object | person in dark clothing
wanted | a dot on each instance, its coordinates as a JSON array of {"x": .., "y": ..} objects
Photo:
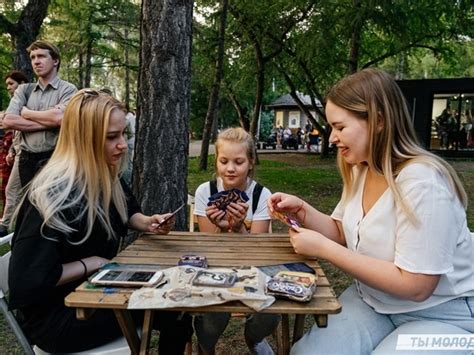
[{"x": 70, "y": 223}]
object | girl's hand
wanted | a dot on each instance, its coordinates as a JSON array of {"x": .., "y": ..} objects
[
  {"x": 216, "y": 217},
  {"x": 233, "y": 217},
  {"x": 308, "y": 242},
  {"x": 282, "y": 202},
  {"x": 237, "y": 211},
  {"x": 161, "y": 223}
]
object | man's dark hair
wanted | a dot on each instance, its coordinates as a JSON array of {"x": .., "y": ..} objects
[
  {"x": 53, "y": 50},
  {"x": 18, "y": 76}
]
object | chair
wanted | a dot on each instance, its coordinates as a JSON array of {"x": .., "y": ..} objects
[
  {"x": 191, "y": 212},
  {"x": 10, "y": 318},
  {"x": 116, "y": 347}
]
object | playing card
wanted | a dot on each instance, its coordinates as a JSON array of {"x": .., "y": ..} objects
[
  {"x": 288, "y": 220},
  {"x": 223, "y": 198}
]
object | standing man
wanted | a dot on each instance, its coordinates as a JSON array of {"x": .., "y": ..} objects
[{"x": 37, "y": 109}]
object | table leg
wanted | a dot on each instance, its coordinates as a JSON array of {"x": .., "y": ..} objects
[
  {"x": 321, "y": 320},
  {"x": 298, "y": 328},
  {"x": 146, "y": 331},
  {"x": 283, "y": 336},
  {"x": 84, "y": 313},
  {"x": 129, "y": 330}
]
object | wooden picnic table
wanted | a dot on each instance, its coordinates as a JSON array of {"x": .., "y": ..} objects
[{"x": 221, "y": 250}]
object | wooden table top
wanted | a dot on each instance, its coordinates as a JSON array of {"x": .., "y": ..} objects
[{"x": 221, "y": 250}]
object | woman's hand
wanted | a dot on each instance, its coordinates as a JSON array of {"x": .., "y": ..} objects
[
  {"x": 282, "y": 202},
  {"x": 308, "y": 242},
  {"x": 76, "y": 270},
  {"x": 161, "y": 223},
  {"x": 94, "y": 263}
]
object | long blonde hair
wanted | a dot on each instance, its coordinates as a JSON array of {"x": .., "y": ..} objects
[
  {"x": 77, "y": 175},
  {"x": 374, "y": 96}
]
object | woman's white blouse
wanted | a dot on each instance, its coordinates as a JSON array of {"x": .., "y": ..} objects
[{"x": 440, "y": 244}]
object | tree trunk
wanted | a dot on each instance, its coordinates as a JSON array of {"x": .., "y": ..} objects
[
  {"x": 25, "y": 31},
  {"x": 164, "y": 90},
  {"x": 127, "y": 71},
  {"x": 88, "y": 64},
  {"x": 214, "y": 97},
  {"x": 241, "y": 112},
  {"x": 355, "y": 39},
  {"x": 80, "y": 69},
  {"x": 258, "y": 89}
]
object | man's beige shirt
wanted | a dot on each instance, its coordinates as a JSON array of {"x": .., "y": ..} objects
[{"x": 57, "y": 93}]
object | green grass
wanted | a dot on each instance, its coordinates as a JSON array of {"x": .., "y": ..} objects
[{"x": 306, "y": 175}]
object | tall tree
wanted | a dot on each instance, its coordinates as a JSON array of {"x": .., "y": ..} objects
[
  {"x": 102, "y": 50},
  {"x": 214, "y": 97},
  {"x": 161, "y": 153},
  {"x": 24, "y": 31}
]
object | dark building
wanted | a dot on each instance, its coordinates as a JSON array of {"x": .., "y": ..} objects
[{"x": 443, "y": 111}]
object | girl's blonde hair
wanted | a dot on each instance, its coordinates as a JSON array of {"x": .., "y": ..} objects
[
  {"x": 77, "y": 176},
  {"x": 237, "y": 135},
  {"x": 374, "y": 96}
]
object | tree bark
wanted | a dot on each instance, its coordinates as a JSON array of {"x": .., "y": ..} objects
[
  {"x": 88, "y": 64},
  {"x": 355, "y": 39},
  {"x": 241, "y": 111},
  {"x": 164, "y": 91},
  {"x": 25, "y": 31},
  {"x": 127, "y": 71},
  {"x": 214, "y": 97}
]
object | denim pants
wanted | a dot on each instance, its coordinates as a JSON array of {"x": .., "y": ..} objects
[
  {"x": 359, "y": 329},
  {"x": 210, "y": 326}
]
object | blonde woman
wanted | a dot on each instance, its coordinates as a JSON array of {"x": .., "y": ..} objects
[
  {"x": 400, "y": 228},
  {"x": 70, "y": 223}
]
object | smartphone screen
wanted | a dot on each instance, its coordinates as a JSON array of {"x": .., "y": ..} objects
[{"x": 130, "y": 278}]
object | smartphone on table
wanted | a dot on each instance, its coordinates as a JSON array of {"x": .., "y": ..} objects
[{"x": 127, "y": 278}]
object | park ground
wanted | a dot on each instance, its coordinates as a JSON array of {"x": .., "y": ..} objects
[{"x": 306, "y": 175}]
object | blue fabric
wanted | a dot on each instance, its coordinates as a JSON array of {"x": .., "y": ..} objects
[{"x": 358, "y": 329}]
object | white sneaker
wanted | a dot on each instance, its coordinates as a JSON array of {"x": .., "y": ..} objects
[{"x": 262, "y": 348}]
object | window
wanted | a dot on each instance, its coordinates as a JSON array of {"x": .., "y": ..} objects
[
  {"x": 452, "y": 122},
  {"x": 294, "y": 119},
  {"x": 279, "y": 119}
]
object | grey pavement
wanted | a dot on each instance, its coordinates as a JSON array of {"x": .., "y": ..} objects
[{"x": 195, "y": 149}]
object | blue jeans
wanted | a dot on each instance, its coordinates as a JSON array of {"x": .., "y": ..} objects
[
  {"x": 359, "y": 329},
  {"x": 210, "y": 326}
]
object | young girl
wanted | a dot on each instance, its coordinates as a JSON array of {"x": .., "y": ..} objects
[
  {"x": 234, "y": 167},
  {"x": 400, "y": 228},
  {"x": 70, "y": 223}
]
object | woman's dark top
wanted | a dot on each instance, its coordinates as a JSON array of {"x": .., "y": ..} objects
[{"x": 36, "y": 263}]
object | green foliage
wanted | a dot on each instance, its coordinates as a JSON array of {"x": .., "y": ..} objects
[
  {"x": 307, "y": 40},
  {"x": 267, "y": 120}
]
